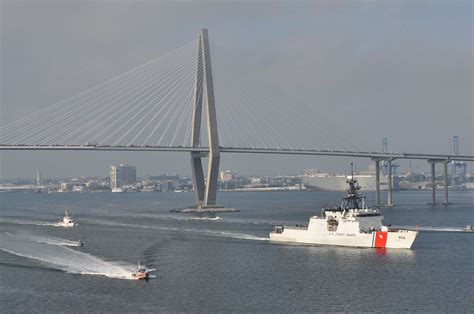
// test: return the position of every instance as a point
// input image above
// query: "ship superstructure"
(351, 224)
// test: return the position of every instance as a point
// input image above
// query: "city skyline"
(140, 173)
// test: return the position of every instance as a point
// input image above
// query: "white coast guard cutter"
(351, 224)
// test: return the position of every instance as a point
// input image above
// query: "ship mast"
(351, 201)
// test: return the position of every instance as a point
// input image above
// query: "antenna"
(352, 170)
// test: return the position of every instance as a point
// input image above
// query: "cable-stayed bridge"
(163, 104)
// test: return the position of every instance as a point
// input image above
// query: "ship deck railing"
(297, 227)
(390, 229)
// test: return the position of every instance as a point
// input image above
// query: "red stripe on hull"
(381, 239)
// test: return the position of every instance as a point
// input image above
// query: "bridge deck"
(244, 150)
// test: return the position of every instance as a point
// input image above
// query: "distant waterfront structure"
(39, 181)
(313, 179)
(227, 175)
(39, 178)
(458, 168)
(121, 175)
(66, 187)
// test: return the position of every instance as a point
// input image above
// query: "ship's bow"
(401, 239)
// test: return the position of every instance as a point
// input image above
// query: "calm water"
(224, 265)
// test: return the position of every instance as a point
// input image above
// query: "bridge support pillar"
(205, 188)
(446, 183)
(198, 178)
(377, 183)
(433, 182)
(389, 183)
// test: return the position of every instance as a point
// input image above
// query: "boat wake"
(225, 234)
(27, 222)
(186, 217)
(207, 218)
(63, 258)
(467, 228)
(46, 240)
(232, 235)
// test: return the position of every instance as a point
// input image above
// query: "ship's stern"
(276, 234)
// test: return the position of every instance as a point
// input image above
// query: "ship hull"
(400, 239)
(65, 225)
(140, 276)
(339, 183)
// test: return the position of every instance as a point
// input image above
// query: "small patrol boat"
(66, 221)
(351, 224)
(142, 273)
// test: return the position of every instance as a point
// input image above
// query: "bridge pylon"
(205, 188)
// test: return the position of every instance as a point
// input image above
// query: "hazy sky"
(399, 69)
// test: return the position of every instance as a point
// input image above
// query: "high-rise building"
(121, 175)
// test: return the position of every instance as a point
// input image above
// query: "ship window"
(332, 225)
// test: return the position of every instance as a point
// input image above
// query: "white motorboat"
(66, 221)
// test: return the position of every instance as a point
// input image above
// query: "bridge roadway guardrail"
(244, 150)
